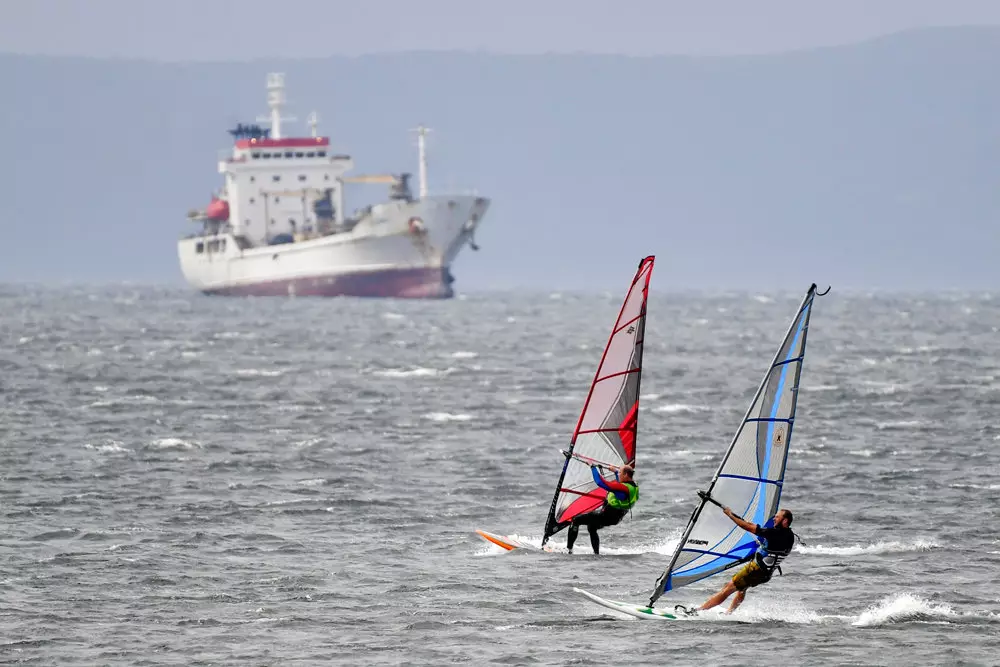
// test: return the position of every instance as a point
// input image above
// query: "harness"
(633, 497)
(771, 560)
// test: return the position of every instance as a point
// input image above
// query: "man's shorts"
(751, 574)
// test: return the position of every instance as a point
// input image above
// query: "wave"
(676, 408)
(664, 546)
(257, 372)
(172, 443)
(417, 371)
(447, 417)
(876, 548)
(903, 607)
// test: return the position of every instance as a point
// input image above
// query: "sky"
(220, 30)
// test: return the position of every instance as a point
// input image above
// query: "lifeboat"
(218, 209)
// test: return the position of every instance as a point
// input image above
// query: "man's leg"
(595, 539)
(719, 597)
(571, 536)
(737, 599)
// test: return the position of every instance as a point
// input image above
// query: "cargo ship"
(278, 225)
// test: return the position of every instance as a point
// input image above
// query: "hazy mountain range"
(875, 165)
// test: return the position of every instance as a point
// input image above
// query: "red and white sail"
(606, 432)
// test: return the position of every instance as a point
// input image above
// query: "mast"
(275, 101)
(422, 157)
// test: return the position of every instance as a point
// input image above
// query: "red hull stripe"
(307, 142)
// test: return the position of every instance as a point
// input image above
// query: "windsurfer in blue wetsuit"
(623, 493)
(775, 545)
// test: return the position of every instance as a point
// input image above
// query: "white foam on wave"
(172, 443)
(903, 607)
(447, 417)
(418, 371)
(898, 425)
(820, 387)
(111, 447)
(464, 354)
(664, 546)
(881, 389)
(978, 487)
(257, 372)
(124, 400)
(228, 335)
(761, 610)
(681, 453)
(678, 408)
(919, 349)
(863, 549)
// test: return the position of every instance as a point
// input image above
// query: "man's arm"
(615, 487)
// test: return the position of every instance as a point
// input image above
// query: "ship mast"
(275, 100)
(422, 155)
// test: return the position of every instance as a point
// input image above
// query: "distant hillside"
(872, 165)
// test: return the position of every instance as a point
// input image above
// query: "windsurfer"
(776, 544)
(623, 493)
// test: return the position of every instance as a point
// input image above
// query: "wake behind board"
(636, 611)
(509, 543)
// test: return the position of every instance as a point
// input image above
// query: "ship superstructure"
(278, 226)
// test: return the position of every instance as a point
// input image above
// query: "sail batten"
(750, 477)
(606, 430)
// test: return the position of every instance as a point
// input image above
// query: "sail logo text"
(703, 542)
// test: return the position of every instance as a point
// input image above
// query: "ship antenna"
(275, 100)
(313, 121)
(422, 156)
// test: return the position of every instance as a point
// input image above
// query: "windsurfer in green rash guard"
(623, 493)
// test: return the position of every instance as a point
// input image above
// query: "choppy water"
(192, 480)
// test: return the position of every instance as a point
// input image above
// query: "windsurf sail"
(606, 431)
(750, 478)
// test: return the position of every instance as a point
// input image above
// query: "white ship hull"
(386, 254)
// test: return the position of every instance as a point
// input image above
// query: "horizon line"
(761, 55)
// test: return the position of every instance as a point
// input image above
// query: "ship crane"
(399, 186)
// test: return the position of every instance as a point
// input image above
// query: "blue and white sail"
(749, 480)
